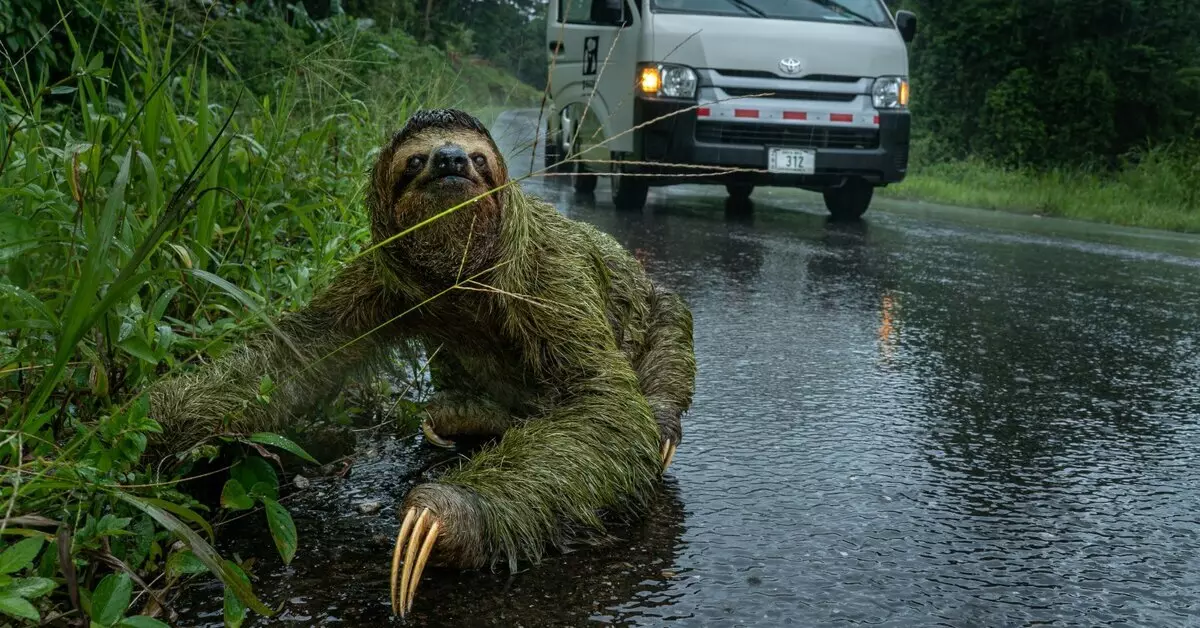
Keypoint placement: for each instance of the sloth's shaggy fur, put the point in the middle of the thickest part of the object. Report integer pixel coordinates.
(560, 346)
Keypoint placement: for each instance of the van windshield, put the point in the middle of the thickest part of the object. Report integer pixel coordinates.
(869, 12)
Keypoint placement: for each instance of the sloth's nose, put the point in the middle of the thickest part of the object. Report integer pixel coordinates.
(449, 160)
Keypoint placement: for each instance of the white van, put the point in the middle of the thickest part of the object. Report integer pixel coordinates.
(799, 93)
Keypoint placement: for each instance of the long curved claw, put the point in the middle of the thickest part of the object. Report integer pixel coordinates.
(433, 438)
(668, 453)
(413, 535)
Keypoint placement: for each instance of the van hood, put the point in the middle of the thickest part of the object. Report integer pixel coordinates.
(750, 43)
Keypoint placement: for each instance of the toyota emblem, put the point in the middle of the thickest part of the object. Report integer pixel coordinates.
(790, 66)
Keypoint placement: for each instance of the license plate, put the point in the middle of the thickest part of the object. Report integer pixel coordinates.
(791, 160)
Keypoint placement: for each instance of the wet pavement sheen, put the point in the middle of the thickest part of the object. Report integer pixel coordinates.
(931, 417)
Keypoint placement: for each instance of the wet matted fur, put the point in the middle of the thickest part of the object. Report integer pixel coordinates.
(549, 336)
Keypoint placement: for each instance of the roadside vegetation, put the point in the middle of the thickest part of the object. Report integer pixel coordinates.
(1081, 109)
(1160, 190)
(169, 178)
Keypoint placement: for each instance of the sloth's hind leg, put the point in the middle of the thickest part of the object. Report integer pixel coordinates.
(451, 415)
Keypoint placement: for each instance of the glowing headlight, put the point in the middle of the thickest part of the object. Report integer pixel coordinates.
(890, 92)
(672, 81)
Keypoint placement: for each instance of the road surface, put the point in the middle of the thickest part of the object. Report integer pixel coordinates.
(936, 416)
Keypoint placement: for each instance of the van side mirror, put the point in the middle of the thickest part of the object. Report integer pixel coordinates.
(906, 23)
(608, 12)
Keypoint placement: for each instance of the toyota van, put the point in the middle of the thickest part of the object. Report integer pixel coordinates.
(811, 94)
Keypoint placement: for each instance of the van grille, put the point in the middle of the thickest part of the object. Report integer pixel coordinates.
(828, 78)
(786, 135)
(741, 92)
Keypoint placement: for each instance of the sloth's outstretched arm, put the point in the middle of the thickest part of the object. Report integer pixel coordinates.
(667, 367)
(306, 360)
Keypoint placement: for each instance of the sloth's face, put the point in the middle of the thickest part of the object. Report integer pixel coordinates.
(420, 176)
(439, 169)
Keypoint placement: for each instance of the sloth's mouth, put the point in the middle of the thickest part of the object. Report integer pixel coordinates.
(451, 177)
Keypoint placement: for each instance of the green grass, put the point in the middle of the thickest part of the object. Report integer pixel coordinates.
(1161, 191)
(150, 218)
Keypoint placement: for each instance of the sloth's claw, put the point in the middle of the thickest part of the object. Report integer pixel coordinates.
(433, 438)
(668, 452)
(412, 535)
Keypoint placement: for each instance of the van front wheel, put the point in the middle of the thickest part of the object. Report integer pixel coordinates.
(739, 191)
(628, 193)
(583, 180)
(850, 201)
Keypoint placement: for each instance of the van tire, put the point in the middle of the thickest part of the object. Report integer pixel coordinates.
(554, 164)
(739, 191)
(583, 180)
(628, 193)
(849, 201)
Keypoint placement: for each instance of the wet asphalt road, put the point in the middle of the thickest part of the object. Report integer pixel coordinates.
(932, 417)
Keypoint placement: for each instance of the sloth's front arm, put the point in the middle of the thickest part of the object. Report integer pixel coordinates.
(344, 328)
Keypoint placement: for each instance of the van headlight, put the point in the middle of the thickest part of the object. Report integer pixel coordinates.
(890, 92)
(664, 79)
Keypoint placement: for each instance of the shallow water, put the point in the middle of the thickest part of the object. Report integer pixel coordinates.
(935, 417)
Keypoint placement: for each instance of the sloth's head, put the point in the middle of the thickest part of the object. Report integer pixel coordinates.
(440, 159)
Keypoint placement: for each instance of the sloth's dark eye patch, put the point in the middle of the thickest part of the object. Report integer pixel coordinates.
(479, 159)
(415, 162)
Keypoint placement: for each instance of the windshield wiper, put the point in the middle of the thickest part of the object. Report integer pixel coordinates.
(841, 8)
(747, 7)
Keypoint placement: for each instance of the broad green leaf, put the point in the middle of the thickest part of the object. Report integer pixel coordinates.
(20, 555)
(282, 442)
(141, 621)
(203, 551)
(184, 562)
(111, 598)
(234, 496)
(137, 347)
(262, 489)
(283, 529)
(256, 473)
(17, 607)
(29, 588)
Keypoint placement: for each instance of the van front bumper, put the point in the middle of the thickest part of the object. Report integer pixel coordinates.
(680, 138)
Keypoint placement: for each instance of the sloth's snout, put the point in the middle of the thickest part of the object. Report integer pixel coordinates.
(450, 160)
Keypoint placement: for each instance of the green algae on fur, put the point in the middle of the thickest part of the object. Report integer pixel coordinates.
(549, 337)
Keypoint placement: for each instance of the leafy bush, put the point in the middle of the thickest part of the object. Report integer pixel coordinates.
(155, 209)
(1065, 83)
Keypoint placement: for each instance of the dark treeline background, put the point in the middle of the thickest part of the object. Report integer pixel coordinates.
(508, 33)
(1055, 82)
(1033, 83)
(260, 35)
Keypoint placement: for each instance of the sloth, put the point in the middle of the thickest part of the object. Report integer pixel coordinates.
(549, 343)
